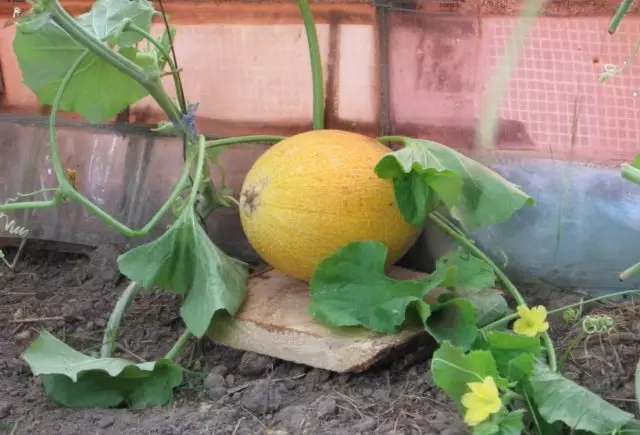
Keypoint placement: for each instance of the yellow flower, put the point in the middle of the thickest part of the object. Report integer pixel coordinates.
(532, 321)
(481, 402)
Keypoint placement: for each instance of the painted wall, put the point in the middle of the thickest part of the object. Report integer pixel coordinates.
(423, 73)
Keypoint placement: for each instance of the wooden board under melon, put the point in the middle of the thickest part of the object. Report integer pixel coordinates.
(274, 321)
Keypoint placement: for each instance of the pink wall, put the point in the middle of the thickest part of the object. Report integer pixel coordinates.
(440, 69)
(253, 77)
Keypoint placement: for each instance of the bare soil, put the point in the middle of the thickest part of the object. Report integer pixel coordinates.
(234, 392)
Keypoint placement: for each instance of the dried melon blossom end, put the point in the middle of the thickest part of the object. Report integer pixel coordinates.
(250, 197)
(532, 321)
(481, 402)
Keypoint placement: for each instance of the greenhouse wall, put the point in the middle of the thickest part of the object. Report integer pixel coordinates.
(419, 69)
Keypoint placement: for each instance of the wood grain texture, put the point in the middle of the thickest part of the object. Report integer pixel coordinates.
(274, 321)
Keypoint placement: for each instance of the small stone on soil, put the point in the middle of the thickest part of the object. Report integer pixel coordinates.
(230, 380)
(221, 369)
(215, 385)
(263, 397)
(253, 364)
(292, 418)
(214, 379)
(216, 393)
(325, 406)
(5, 409)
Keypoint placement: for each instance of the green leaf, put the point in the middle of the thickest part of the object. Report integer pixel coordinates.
(219, 283)
(406, 189)
(453, 321)
(108, 17)
(487, 427)
(418, 194)
(560, 399)
(541, 425)
(476, 196)
(46, 55)
(75, 380)
(636, 161)
(350, 288)
(167, 262)
(507, 348)
(521, 367)
(452, 369)
(515, 355)
(473, 272)
(184, 260)
(474, 276)
(502, 424)
(512, 423)
(37, 17)
(490, 306)
(631, 428)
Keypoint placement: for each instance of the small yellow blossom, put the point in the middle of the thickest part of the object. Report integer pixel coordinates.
(481, 402)
(532, 321)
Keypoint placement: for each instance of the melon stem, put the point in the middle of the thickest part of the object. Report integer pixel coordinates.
(316, 64)
(173, 353)
(218, 143)
(111, 333)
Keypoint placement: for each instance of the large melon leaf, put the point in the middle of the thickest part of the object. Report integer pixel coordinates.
(45, 54)
(185, 260)
(75, 380)
(427, 174)
(350, 288)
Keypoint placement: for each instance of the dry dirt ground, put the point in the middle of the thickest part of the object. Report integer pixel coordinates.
(233, 392)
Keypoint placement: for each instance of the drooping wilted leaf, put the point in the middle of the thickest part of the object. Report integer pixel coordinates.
(75, 380)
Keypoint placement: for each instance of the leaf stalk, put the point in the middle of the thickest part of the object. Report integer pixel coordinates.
(111, 333)
(182, 340)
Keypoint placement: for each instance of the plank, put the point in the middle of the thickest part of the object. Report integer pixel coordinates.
(274, 321)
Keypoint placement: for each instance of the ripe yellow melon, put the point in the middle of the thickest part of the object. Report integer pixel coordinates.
(313, 193)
